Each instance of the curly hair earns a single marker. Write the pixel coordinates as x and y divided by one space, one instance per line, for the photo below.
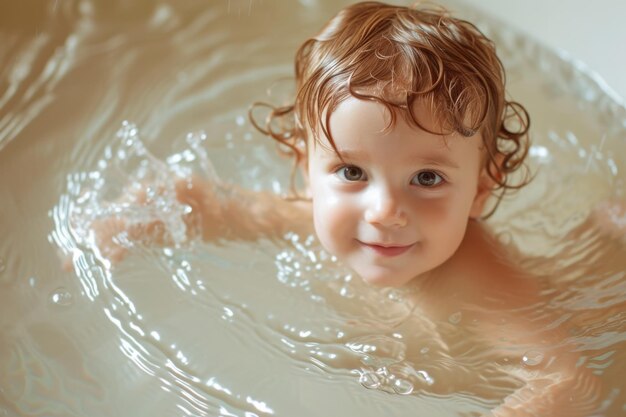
398 56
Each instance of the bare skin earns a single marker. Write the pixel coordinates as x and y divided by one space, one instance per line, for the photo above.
218 212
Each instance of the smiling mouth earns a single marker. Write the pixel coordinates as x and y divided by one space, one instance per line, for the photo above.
387 250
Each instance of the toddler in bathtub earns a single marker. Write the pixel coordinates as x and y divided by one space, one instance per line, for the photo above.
402 130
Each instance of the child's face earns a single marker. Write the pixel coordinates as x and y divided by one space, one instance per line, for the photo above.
399 205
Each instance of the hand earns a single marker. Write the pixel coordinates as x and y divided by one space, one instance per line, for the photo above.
111 236
106 236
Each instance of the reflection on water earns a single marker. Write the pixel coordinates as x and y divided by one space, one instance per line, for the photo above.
94 94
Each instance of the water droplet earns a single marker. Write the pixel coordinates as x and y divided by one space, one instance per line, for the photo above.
62 297
532 358
455 318
370 380
402 386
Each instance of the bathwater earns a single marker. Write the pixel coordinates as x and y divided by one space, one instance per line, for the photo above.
97 95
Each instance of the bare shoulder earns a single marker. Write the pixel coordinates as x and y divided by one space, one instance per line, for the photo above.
490 274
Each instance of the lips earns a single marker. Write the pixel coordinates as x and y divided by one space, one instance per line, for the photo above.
387 250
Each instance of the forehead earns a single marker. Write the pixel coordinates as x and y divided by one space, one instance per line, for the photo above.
356 124
372 116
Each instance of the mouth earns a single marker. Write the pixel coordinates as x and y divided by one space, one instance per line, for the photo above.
388 250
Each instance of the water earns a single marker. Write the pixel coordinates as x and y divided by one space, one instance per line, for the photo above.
95 96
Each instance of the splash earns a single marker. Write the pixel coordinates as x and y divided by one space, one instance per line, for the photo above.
130 189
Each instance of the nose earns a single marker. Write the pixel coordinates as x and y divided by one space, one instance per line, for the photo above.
385 208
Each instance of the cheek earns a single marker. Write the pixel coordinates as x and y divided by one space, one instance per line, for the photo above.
333 218
438 214
445 217
455 205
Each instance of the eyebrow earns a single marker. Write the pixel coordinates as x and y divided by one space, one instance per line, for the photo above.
439 160
434 158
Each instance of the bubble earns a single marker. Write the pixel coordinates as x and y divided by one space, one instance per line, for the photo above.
62 297
425 376
455 318
370 380
402 386
383 371
532 358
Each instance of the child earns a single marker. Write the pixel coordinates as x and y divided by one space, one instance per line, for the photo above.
401 128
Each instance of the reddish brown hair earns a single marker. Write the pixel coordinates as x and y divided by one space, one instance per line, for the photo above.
398 56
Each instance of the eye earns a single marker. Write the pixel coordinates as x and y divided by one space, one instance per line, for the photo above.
351 173
427 179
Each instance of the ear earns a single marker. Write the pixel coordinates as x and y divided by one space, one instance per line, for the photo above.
486 184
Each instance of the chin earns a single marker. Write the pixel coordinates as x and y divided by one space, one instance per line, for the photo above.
385 279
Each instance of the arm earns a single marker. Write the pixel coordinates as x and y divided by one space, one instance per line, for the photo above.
216 211
510 315
231 212
555 383
562 384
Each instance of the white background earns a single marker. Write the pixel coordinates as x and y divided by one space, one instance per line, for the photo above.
593 32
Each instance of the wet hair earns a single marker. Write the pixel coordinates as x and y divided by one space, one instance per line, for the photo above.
400 57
